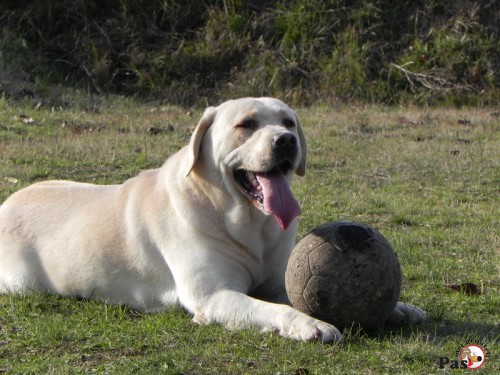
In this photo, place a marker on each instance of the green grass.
(428, 179)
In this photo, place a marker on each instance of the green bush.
(302, 50)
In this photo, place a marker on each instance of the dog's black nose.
(284, 140)
(284, 147)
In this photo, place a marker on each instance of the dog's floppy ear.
(195, 143)
(301, 169)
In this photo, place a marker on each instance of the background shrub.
(184, 51)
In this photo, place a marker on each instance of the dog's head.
(471, 357)
(257, 144)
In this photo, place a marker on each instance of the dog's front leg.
(236, 310)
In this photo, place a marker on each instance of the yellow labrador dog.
(213, 225)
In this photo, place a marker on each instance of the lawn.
(427, 178)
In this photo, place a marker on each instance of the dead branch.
(430, 81)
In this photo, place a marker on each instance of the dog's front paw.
(302, 327)
(406, 313)
(318, 330)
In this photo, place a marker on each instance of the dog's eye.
(288, 123)
(248, 124)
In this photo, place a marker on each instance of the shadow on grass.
(434, 330)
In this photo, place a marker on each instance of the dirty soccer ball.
(346, 274)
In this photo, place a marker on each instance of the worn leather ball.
(346, 274)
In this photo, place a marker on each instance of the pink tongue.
(278, 198)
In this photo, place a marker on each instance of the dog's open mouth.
(271, 191)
